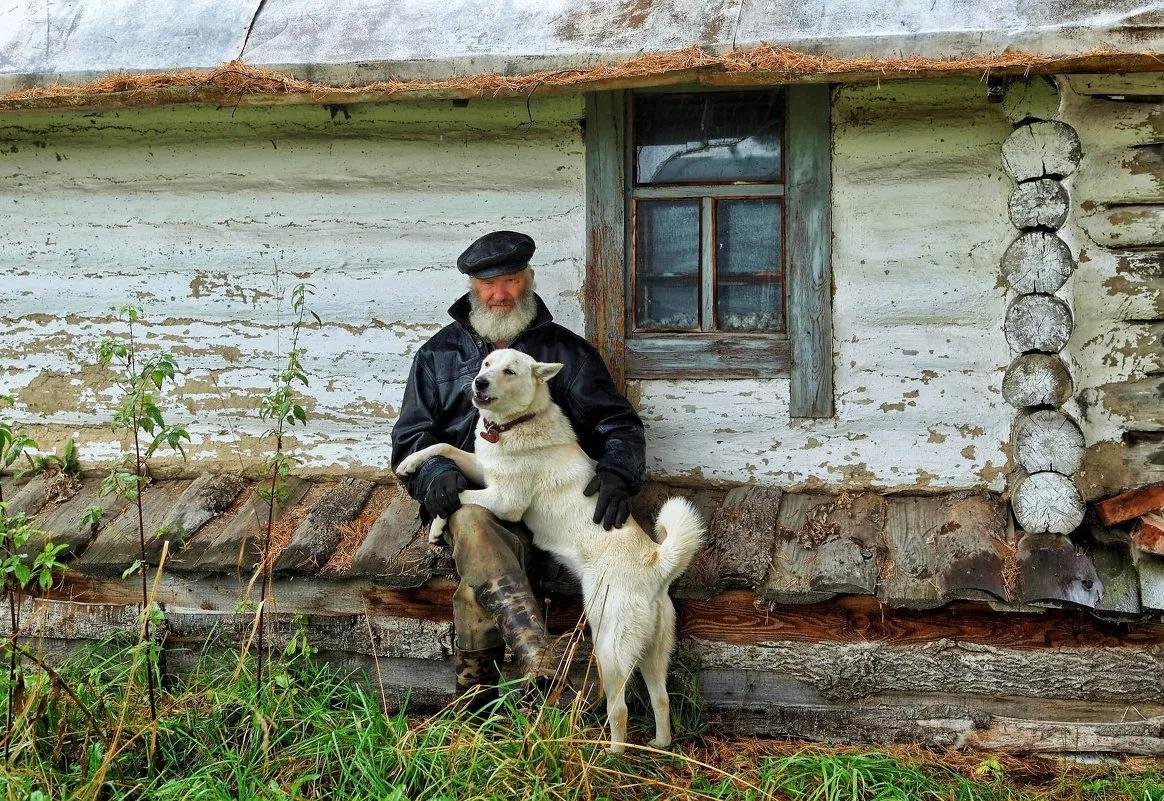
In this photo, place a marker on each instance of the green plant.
(141, 379)
(18, 574)
(281, 408)
(66, 464)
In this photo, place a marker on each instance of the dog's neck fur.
(549, 426)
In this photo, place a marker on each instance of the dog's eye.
(507, 371)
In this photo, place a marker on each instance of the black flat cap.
(496, 253)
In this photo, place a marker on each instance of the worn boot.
(478, 673)
(512, 605)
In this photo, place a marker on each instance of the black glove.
(613, 506)
(442, 497)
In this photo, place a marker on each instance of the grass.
(317, 733)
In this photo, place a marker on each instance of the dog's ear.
(546, 370)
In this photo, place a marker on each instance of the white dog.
(529, 461)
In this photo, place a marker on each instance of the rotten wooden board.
(117, 545)
(971, 550)
(1054, 569)
(910, 573)
(316, 537)
(386, 553)
(63, 524)
(1116, 568)
(1110, 467)
(237, 545)
(202, 501)
(743, 532)
(852, 671)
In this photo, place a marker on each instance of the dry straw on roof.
(235, 79)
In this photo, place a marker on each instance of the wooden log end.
(1048, 502)
(1036, 379)
(1037, 261)
(1041, 203)
(1047, 439)
(1044, 148)
(1038, 322)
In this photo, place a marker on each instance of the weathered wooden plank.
(743, 533)
(707, 357)
(1138, 225)
(809, 231)
(29, 499)
(1140, 404)
(1150, 569)
(62, 523)
(847, 560)
(1117, 573)
(970, 548)
(800, 530)
(117, 544)
(1041, 149)
(316, 537)
(910, 573)
(1047, 502)
(1038, 322)
(762, 705)
(1047, 439)
(236, 545)
(1052, 568)
(382, 553)
(605, 283)
(1121, 175)
(1111, 467)
(1041, 203)
(1134, 84)
(205, 498)
(846, 672)
(1037, 261)
(1036, 379)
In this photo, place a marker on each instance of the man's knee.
(469, 521)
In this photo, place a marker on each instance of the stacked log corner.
(1046, 442)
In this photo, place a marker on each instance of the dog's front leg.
(466, 462)
(501, 505)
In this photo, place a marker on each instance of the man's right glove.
(442, 497)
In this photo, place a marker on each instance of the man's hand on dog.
(613, 506)
(443, 496)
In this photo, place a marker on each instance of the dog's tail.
(679, 531)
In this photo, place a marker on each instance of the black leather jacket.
(437, 405)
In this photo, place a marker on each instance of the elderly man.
(494, 605)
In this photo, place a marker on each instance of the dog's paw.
(409, 466)
(616, 748)
(436, 531)
(660, 744)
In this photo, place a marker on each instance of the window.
(710, 239)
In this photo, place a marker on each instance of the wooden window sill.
(694, 356)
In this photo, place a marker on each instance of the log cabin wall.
(185, 211)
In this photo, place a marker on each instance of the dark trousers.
(488, 553)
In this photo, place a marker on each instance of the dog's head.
(511, 383)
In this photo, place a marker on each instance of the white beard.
(502, 326)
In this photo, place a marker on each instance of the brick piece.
(1132, 503)
(1149, 534)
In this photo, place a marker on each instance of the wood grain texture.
(604, 286)
(1036, 379)
(711, 356)
(1052, 568)
(314, 540)
(1041, 203)
(971, 549)
(1032, 98)
(809, 231)
(910, 575)
(236, 546)
(1038, 322)
(117, 544)
(1116, 566)
(1136, 459)
(62, 522)
(1041, 149)
(381, 553)
(1139, 405)
(847, 672)
(205, 498)
(1047, 502)
(1131, 84)
(1047, 439)
(1037, 261)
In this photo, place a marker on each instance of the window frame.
(804, 352)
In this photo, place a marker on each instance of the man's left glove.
(613, 506)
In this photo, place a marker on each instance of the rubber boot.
(512, 605)
(478, 674)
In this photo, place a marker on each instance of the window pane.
(707, 138)
(748, 275)
(667, 264)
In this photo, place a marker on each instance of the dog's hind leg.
(654, 669)
(613, 678)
